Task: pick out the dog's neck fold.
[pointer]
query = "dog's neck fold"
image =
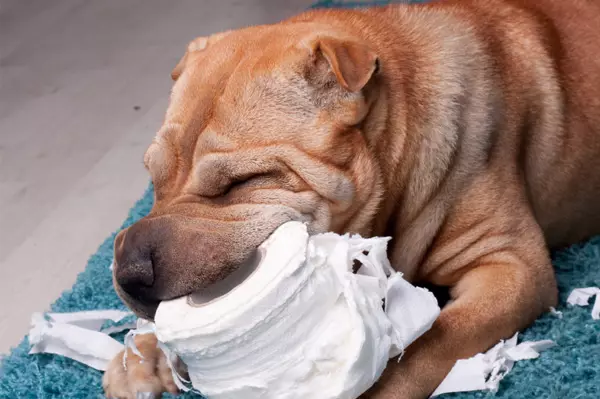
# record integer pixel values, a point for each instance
(425, 127)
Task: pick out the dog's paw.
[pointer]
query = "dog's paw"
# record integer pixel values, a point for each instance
(142, 378)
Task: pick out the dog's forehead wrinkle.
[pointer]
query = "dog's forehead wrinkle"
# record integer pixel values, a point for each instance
(267, 109)
(231, 164)
(289, 93)
(166, 130)
(160, 151)
(274, 103)
(154, 154)
(212, 141)
(205, 77)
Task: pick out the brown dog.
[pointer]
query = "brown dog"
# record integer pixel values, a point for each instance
(469, 131)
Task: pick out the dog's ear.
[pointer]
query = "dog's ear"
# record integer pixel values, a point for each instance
(198, 44)
(353, 63)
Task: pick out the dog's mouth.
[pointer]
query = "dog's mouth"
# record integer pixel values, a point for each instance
(147, 309)
(144, 310)
(184, 261)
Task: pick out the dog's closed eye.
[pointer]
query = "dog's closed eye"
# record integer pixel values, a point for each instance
(244, 181)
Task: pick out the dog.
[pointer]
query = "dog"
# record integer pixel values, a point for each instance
(468, 131)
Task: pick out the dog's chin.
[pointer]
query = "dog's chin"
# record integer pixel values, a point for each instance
(145, 310)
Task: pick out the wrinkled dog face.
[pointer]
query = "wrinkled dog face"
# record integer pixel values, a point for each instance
(263, 128)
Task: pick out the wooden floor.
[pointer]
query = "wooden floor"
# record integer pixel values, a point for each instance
(83, 89)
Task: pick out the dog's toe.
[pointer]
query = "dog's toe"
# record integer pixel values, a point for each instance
(145, 377)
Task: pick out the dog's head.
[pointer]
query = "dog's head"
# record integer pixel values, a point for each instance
(265, 126)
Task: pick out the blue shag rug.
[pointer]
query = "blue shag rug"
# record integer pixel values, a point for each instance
(569, 370)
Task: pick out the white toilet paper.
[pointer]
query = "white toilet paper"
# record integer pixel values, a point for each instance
(301, 324)
(79, 335)
(582, 296)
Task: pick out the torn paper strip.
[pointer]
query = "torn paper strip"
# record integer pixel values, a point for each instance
(484, 371)
(77, 336)
(90, 319)
(581, 297)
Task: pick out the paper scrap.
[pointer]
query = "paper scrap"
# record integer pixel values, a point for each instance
(581, 297)
(412, 310)
(484, 371)
(555, 312)
(77, 335)
(88, 319)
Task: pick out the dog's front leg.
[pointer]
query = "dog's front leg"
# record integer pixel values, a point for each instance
(500, 294)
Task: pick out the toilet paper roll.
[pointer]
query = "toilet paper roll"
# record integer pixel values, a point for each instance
(298, 323)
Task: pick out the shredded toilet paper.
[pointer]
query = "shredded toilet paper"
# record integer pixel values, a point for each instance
(484, 371)
(581, 297)
(78, 335)
(302, 325)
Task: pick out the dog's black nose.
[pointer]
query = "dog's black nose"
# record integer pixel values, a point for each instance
(134, 271)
